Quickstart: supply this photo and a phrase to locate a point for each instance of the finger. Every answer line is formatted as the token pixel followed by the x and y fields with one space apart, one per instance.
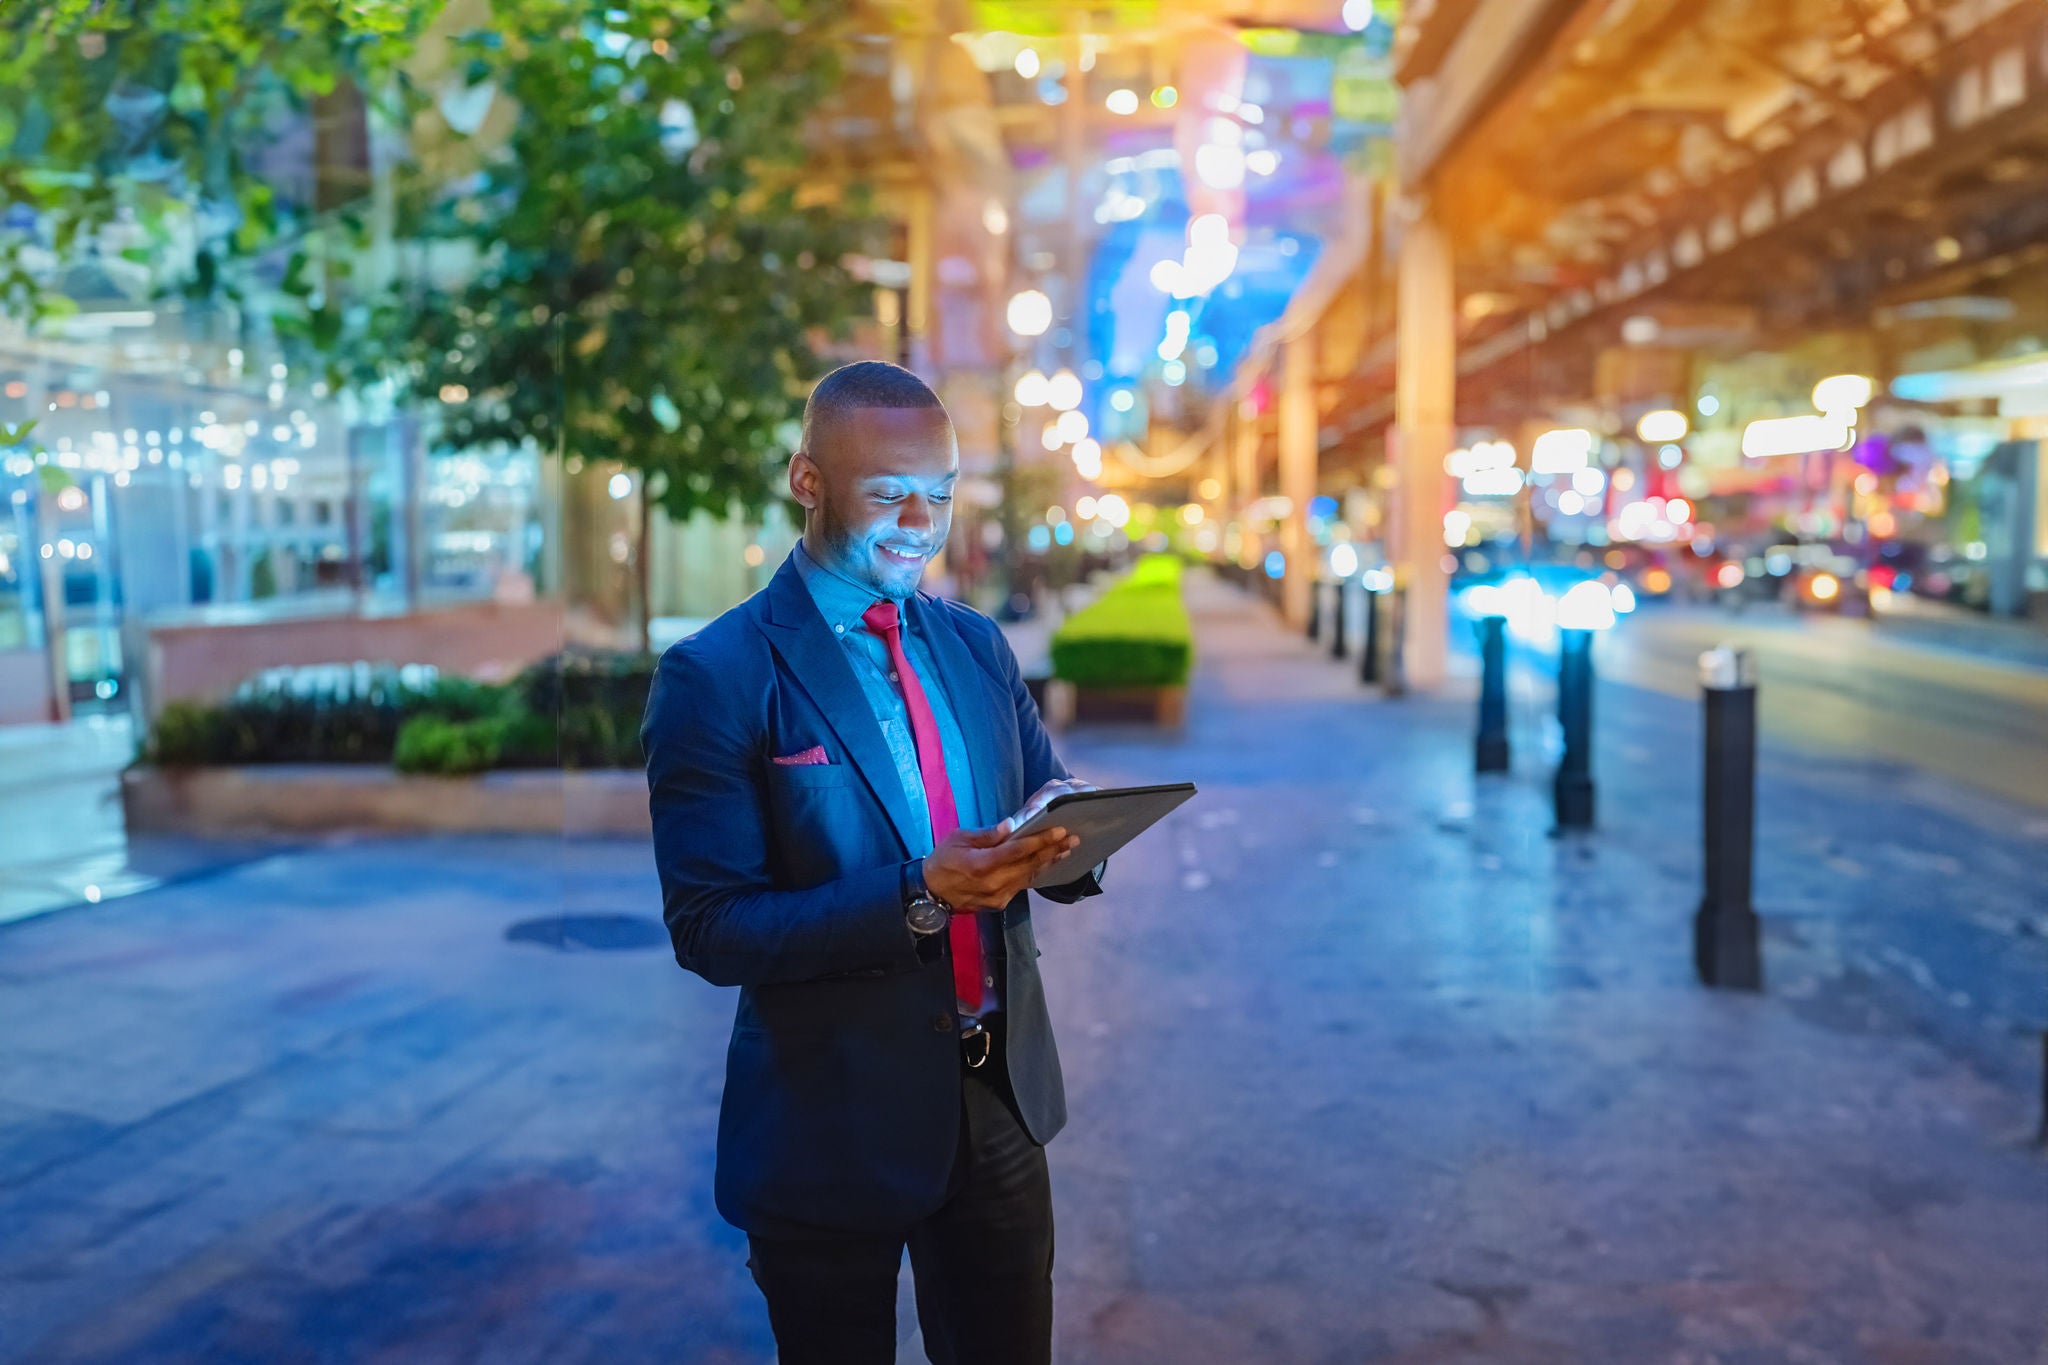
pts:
pixel 1063 849
pixel 985 838
pixel 1030 845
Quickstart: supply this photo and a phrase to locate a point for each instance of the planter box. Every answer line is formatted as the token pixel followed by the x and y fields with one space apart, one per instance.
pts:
pixel 1065 704
pixel 310 798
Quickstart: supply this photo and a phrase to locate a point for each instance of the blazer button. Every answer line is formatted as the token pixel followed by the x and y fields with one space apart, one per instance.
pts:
pixel 942 1023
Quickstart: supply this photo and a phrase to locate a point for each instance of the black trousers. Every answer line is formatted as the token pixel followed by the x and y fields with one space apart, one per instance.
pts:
pixel 982 1263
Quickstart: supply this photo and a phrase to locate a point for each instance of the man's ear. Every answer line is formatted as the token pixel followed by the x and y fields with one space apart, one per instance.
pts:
pixel 803 481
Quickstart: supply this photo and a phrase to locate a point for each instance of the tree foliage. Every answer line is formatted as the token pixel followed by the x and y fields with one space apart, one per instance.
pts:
pixel 639 267
pixel 142 136
pixel 651 261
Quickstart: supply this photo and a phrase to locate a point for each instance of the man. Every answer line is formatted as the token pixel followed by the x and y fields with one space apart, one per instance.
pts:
pixel 837 768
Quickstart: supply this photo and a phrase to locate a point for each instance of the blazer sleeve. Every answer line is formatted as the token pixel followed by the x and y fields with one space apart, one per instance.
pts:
pixel 1041 764
pixel 727 922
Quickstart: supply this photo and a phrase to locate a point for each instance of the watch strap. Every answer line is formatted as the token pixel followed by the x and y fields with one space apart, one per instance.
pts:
pixel 913 884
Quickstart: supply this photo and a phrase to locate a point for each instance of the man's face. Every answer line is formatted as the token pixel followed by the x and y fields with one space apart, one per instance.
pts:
pixel 878 483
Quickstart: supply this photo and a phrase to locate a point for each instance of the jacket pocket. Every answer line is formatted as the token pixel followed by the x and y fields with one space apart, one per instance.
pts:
pixel 810 776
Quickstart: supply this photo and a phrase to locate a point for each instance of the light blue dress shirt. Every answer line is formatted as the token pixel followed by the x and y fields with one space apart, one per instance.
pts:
pixel 842 602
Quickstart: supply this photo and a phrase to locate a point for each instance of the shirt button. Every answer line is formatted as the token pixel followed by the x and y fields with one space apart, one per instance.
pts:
pixel 892 677
pixel 942 1023
pixel 988 981
pixel 839 630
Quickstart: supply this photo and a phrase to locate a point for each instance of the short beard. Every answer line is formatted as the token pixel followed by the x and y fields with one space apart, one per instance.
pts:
pixel 836 551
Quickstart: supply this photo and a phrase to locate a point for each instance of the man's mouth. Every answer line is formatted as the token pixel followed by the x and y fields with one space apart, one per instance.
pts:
pixel 903 557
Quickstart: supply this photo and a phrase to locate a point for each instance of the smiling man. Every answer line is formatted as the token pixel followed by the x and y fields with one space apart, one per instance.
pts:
pixel 836 769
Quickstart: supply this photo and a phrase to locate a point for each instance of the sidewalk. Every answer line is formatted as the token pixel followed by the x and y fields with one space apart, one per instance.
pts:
pixel 1363 1067
pixel 63 837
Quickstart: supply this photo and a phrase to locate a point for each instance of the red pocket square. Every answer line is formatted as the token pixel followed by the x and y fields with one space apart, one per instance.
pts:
pixel 813 755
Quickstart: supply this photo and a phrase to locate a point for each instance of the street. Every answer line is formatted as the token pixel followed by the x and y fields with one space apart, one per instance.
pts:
pixel 1363 1066
pixel 1847 687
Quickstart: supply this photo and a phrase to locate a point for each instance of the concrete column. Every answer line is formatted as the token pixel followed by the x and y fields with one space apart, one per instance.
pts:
pixel 1074 152
pixel 50 582
pixel 1425 390
pixel 1217 462
pixel 920 316
pixel 1298 473
pixel 1244 466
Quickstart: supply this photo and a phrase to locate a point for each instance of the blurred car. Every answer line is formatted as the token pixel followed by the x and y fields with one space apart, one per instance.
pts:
pixel 1822 578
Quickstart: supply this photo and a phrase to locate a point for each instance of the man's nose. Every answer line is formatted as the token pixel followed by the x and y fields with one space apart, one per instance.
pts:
pixel 916 514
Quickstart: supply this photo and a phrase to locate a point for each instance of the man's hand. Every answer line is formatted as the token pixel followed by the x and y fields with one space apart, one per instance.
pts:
pixel 984 869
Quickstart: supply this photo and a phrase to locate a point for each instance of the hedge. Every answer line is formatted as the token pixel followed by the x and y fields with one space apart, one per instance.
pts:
pixel 1135 635
pixel 576 710
pixel 329 713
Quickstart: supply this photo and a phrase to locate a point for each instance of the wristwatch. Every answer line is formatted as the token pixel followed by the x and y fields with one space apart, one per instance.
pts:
pixel 922 911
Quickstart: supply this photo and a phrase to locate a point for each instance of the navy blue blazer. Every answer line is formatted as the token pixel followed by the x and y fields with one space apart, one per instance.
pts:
pixel 842 1082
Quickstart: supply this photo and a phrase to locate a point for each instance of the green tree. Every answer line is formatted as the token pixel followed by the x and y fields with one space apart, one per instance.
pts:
pixel 141 135
pixel 650 260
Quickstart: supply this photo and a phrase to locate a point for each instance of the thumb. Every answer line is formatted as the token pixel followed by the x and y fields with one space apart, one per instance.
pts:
pixel 986 838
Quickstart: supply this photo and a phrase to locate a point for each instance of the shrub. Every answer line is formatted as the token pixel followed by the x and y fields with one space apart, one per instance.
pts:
pixel 448 748
pixel 579 710
pixel 595 700
pixel 323 713
pixel 1135 635
pixel 526 740
pixel 1152 571
pixel 466 699
pixel 187 733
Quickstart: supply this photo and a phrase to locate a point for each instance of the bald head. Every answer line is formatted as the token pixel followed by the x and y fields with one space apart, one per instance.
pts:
pixel 875 475
pixel 866 384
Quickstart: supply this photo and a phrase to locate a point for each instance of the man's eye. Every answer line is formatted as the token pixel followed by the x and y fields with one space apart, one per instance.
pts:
pixel 888 497
pixel 942 497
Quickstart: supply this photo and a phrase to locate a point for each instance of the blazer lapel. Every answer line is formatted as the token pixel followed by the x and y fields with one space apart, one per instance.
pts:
pixel 962 679
pixel 818 661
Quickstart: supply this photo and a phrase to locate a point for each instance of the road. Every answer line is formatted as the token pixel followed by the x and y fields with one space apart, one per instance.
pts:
pixel 1842 687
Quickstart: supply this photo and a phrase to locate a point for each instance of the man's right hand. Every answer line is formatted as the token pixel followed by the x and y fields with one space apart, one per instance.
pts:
pixel 984 869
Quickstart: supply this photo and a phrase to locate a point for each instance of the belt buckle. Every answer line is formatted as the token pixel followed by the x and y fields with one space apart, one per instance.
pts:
pixel 974 1031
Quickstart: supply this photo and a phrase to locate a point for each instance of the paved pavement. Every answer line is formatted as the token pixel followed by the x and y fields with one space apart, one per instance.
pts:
pixel 63 838
pixel 1364 1067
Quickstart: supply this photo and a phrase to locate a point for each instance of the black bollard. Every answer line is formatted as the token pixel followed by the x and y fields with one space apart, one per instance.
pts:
pixel 1340 647
pixel 1394 676
pixel 1490 754
pixel 1315 608
pixel 1574 785
pixel 1726 951
pixel 1369 647
pixel 2043 1139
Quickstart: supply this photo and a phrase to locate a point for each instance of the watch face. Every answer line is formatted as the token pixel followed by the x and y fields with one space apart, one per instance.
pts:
pixel 926 916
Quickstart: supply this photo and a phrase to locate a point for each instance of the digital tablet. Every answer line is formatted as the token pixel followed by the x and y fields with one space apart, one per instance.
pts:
pixel 1104 821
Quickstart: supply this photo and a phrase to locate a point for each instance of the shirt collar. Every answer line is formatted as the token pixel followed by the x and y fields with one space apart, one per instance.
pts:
pixel 841 601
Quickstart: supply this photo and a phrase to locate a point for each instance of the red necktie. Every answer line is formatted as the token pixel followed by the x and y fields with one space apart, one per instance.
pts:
pixel 963 931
